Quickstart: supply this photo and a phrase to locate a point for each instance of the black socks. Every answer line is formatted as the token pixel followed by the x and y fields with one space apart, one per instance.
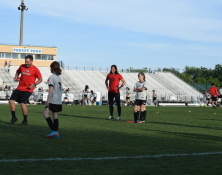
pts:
pixel 13 114
pixel 143 115
pixel 25 118
pixel 55 126
pixel 136 116
pixel 49 121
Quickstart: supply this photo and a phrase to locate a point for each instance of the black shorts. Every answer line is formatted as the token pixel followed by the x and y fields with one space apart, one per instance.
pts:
pixel 140 102
pixel 20 96
pixel 85 95
pixel 214 98
pixel 55 108
pixel 154 98
pixel 127 98
pixel 207 98
pixel 219 96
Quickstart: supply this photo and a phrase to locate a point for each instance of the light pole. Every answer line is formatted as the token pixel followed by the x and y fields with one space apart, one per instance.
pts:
pixel 22 7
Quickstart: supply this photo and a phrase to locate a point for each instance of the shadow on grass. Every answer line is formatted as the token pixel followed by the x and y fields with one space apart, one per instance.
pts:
pixel 7 123
pixel 86 117
pixel 188 135
pixel 211 120
pixel 79 141
pixel 77 116
pixel 183 125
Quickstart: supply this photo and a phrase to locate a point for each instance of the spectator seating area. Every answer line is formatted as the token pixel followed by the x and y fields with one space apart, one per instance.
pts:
pixel 167 86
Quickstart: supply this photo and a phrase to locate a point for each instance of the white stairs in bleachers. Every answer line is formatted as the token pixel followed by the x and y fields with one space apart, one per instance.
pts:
pixel 164 83
pixel 7 77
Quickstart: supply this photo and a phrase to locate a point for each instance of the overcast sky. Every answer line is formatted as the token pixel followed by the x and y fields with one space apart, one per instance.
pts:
pixel 128 33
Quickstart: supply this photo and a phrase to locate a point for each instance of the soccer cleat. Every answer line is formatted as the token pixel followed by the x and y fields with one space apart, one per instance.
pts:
pixel 52 134
pixel 24 122
pixel 119 118
pixel 13 120
pixel 57 136
pixel 138 121
pixel 110 117
pixel 143 121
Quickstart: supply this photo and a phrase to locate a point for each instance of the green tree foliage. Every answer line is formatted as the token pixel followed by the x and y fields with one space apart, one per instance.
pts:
pixel 201 80
pixel 203 75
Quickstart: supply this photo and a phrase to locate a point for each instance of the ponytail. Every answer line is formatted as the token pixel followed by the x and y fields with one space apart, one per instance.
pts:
pixel 55 67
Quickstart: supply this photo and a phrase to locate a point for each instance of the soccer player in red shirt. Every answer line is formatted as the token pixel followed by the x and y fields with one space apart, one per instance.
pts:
pixel 114 79
pixel 27 83
pixel 213 91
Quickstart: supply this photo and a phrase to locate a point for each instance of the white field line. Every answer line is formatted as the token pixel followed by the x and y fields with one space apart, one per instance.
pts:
pixel 110 158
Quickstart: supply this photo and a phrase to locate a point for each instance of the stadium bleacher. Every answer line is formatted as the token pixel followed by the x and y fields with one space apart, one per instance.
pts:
pixel 167 85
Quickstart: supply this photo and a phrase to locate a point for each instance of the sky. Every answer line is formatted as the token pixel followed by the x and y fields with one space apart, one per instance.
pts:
pixel 128 33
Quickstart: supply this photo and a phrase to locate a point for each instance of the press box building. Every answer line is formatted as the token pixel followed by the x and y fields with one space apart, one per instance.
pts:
pixel 42 56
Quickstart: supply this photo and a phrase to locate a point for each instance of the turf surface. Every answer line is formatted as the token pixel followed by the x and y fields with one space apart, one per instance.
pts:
pixel 85 132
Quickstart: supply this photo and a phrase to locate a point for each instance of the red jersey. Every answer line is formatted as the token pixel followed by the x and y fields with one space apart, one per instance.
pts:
pixel 213 91
pixel 28 77
pixel 114 82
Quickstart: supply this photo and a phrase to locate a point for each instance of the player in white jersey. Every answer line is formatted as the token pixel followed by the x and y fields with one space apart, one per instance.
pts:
pixel 127 100
pixel 207 96
pixel 140 88
pixel 154 97
pixel 54 101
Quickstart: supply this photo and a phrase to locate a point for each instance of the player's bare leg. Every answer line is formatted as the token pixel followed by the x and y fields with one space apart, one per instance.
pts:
pixel 12 105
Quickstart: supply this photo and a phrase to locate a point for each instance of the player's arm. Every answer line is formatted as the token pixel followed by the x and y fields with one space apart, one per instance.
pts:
pixel 17 73
pixel 123 83
pixel 106 83
pixel 16 76
pixel 211 90
pixel 36 83
pixel 141 89
pixel 145 87
pixel 138 89
pixel 49 95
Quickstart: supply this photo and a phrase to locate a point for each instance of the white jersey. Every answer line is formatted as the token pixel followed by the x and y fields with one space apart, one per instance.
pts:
pixel 86 92
pixel 56 82
pixel 207 95
pixel 154 94
pixel 141 95
pixel 220 91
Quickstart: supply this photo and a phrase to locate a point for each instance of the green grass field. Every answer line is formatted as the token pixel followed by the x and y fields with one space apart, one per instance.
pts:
pixel 85 133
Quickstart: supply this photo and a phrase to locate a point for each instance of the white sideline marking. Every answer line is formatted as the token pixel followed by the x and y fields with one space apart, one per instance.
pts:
pixel 110 158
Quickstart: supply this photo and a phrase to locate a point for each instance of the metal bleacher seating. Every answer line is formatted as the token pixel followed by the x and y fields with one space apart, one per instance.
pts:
pixel 166 85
